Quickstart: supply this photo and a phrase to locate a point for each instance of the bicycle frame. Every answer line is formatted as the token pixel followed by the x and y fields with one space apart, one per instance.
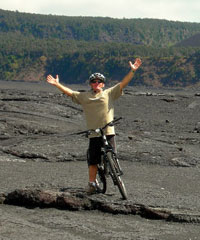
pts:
pixel 106 146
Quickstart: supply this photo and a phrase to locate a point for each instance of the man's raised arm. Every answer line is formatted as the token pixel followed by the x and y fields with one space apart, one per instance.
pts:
pixel 55 82
pixel 125 81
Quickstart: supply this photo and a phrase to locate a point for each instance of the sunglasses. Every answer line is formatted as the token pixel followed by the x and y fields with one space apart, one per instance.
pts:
pixel 96 81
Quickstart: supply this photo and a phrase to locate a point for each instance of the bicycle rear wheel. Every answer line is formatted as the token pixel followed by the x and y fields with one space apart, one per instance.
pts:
pixel 115 172
pixel 101 180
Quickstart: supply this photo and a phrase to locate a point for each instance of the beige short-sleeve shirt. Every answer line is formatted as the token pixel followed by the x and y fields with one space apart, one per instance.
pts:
pixel 98 107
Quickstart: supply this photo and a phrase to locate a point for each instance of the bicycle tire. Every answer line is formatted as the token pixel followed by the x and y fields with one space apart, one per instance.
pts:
pixel 116 178
pixel 101 180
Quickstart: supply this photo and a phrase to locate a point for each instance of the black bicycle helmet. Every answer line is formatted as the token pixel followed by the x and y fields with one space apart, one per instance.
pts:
pixel 97 76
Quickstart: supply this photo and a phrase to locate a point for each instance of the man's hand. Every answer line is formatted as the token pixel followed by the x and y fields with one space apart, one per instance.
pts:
pixel 136 64
pixel 125 81
pixel 55 82
pixel 52 80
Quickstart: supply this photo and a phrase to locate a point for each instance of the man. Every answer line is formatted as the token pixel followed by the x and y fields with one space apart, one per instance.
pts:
pixel 98 107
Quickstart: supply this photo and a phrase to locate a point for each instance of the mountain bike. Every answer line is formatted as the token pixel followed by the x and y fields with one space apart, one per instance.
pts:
pixel 109 165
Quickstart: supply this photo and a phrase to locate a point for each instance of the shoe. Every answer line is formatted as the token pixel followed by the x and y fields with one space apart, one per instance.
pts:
pixel 91 188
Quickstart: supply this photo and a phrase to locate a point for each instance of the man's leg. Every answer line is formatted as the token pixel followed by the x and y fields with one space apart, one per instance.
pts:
pixel 92 173
pixel 94 153
pixel 93 157
pixel 92 187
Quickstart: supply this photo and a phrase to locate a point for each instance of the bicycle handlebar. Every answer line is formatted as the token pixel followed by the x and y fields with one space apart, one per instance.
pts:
pixel 112 122
pixel 88 132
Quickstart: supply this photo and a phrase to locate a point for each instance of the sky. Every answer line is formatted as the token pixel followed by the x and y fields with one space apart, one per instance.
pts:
pixel 173 10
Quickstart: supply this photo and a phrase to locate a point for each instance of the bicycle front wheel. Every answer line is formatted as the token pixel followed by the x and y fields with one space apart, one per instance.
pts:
pixel 115 175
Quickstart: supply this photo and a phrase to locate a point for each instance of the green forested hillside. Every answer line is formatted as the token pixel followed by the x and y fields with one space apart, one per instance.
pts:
pixel 150 32
pixel 33 45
